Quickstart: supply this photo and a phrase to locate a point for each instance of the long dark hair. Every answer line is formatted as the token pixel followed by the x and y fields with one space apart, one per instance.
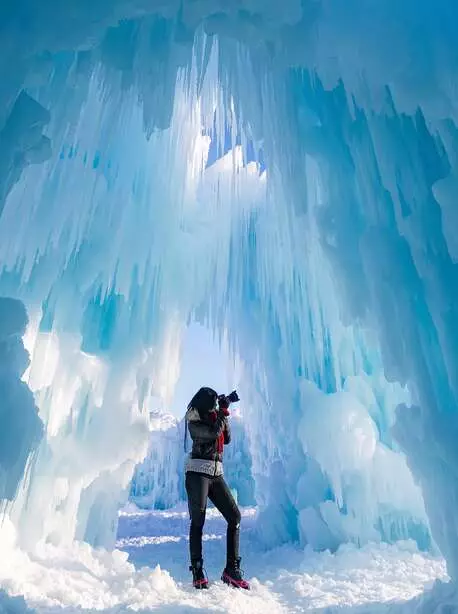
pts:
pixel 204 401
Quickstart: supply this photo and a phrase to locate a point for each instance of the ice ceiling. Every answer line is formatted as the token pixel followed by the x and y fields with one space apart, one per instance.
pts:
pixel 285 173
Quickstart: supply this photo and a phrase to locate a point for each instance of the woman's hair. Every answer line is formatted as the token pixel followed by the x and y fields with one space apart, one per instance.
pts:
pixel 204 400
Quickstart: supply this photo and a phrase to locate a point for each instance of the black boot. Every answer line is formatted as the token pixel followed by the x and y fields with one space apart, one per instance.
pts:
pixel 233 575
pixel 198 576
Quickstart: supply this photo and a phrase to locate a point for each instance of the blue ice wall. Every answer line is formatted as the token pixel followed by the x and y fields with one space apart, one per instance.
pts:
pixel 22 428
pixel 331 275
pixel 386 179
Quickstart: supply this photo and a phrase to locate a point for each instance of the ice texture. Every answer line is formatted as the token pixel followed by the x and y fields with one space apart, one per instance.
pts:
pixel 22 428
pixel 284 173
pixel 158 480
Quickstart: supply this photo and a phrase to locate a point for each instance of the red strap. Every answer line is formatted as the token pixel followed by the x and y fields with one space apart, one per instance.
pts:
pixel 220 440
pixel 220 443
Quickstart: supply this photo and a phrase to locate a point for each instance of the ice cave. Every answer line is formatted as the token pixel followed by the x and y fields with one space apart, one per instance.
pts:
pixel 257 194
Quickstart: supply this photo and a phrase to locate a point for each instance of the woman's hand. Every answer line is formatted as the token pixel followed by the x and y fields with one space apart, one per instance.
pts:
pixel 223 403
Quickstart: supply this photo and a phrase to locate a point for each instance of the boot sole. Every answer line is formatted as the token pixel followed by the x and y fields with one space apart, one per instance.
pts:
pixel 233 583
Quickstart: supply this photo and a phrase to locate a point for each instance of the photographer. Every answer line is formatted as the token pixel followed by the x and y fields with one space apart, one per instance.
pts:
pixel 208 426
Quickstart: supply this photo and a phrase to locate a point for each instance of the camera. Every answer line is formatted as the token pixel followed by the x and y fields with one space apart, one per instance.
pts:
pixel 233 397
pixel 230 398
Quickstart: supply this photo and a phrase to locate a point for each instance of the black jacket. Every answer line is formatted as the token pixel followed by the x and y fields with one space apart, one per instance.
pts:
pixel 205 434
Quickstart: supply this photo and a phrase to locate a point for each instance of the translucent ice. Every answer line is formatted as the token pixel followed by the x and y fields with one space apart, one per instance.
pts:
pixel 21 429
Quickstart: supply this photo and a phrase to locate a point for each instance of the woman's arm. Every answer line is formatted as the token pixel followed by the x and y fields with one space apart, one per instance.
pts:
pixel 207 431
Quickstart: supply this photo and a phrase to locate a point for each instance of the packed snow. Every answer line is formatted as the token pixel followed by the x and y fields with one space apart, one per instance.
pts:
pixel 148 572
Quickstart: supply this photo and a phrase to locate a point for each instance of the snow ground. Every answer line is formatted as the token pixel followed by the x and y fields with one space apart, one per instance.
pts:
pixel 377 579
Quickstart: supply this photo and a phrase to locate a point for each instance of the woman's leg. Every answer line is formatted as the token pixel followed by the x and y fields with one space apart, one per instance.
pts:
pixel 220 495
pixel 197 486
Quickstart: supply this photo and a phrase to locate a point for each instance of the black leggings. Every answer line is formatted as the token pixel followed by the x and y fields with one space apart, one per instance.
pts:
pixel 200 487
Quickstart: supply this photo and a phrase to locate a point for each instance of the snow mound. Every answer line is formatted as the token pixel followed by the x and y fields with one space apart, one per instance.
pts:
pixel 150 574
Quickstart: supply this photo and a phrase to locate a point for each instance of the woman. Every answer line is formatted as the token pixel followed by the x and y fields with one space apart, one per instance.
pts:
pixel 209 428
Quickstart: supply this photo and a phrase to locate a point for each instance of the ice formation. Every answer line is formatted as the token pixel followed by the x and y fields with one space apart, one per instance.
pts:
pixel 284 173
pixel 22 428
